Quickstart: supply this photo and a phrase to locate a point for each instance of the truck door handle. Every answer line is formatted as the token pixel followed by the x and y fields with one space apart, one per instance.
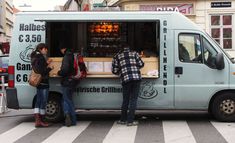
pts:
pixel 178 70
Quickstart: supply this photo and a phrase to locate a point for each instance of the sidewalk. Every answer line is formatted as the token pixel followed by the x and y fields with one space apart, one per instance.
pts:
pixel 21 112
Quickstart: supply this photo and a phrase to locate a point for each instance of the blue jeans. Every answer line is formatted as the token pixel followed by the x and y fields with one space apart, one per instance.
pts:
pixel 130 96
pixel 41 101
pixel 68 105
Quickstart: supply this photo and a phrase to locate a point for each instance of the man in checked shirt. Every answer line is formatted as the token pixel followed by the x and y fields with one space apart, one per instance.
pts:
pixel 127 65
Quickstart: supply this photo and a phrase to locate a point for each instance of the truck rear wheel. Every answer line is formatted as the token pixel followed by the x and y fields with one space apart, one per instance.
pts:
pixel 223 107
pixel 54 111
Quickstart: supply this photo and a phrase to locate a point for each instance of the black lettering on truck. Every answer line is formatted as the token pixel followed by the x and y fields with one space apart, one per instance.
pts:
pixel 32 27
pixel 164 59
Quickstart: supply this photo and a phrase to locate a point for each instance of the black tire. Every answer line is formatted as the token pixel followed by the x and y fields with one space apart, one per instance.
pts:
pixel 223 107
pixel 54 110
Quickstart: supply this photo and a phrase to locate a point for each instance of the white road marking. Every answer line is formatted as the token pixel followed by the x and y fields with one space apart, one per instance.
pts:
pixel 227 130
pixel 17 132
pixel 67 134
pixel 121 134
pixel 174 132
pixel 177 132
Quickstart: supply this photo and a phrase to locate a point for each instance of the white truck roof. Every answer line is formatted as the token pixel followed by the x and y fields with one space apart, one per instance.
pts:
pixel 175 19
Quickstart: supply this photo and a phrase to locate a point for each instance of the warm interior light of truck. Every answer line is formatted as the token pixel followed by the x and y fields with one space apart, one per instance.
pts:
pixel 104 27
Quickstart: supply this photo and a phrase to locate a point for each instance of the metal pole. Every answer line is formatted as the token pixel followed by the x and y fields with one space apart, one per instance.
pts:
pixel 3 100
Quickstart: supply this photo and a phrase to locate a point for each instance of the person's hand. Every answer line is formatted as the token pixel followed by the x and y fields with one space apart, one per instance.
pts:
pixel 51 67
pixel 49 61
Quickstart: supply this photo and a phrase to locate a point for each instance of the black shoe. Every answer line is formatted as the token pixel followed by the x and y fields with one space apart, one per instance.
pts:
pixel 67 121
pixel 121 122
pixel 134 123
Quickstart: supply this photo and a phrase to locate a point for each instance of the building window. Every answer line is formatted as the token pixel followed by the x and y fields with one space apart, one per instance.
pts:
pixel 221 30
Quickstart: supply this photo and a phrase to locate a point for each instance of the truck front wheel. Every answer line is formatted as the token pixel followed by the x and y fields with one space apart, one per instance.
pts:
pixel 223 107
pixel 54 111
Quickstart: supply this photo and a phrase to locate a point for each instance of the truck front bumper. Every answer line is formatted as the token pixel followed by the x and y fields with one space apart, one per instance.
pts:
pixel 12 99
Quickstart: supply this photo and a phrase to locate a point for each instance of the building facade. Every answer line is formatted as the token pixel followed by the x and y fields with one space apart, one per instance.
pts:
pixel 216 17
pixel 6 20
pixel 1 21
pixel 77 5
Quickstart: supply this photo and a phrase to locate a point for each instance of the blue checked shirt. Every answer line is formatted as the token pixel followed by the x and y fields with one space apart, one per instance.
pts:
pixel 127 65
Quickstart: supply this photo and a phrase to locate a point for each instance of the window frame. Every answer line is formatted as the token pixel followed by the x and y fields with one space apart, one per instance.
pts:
pixel 199 35
pixel 203 49
pixel 221 27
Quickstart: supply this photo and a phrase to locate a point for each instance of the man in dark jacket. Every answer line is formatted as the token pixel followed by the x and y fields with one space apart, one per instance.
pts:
pixel 68 85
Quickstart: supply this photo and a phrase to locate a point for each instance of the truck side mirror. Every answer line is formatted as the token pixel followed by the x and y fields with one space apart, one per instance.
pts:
pixel 219 61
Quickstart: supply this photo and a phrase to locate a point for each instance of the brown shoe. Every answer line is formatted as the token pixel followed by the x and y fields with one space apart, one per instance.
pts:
pixel 44 120
pixel 37 120
pixel 44 124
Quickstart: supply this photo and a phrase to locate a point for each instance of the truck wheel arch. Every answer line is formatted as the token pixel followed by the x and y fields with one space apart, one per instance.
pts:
pixel 53 96
pixel 214 104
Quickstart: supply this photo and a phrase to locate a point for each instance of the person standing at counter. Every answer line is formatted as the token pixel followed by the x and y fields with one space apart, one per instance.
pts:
pixel 127 65
pixel 68 85
pixel 40 64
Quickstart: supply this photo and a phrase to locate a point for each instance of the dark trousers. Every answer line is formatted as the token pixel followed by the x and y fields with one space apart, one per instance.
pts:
pixel 68 105
pixel 130 96
pixel 41 101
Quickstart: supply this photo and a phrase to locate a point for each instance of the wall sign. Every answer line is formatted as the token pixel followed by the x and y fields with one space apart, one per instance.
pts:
pixel 220 4
pixel 182 8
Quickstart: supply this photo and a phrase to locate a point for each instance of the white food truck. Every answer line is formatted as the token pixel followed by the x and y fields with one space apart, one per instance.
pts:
pixel 184 67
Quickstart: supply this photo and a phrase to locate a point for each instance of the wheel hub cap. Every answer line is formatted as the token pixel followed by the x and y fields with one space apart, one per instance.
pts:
pixel 51 108
pixel 227 106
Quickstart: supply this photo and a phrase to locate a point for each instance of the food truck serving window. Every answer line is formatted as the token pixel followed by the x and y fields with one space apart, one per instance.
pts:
pixel 103 38
pixel 99 41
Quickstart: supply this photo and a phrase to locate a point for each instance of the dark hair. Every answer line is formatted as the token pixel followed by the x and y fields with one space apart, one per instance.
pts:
pixel 40 46
pixel 62 45
pixel 125 45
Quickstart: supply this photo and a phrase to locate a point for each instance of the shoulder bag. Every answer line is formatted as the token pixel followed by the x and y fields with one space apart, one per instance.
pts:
pixel 34 78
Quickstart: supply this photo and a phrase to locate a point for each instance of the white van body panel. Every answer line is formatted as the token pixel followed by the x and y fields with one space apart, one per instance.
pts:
pixel 169 91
